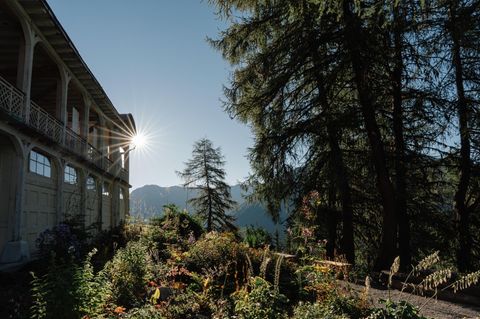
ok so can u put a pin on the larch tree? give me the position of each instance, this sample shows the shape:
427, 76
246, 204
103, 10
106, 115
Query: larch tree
204, 172
374, 104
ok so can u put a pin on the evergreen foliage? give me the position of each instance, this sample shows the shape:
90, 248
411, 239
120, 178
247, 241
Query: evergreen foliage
205, 172
374, 105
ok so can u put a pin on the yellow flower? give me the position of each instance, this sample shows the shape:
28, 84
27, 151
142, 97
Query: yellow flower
206, 283
155, 296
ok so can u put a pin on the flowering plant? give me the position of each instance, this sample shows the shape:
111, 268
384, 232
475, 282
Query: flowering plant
60, 241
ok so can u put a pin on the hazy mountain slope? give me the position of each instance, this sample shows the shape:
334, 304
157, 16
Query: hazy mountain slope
148, 201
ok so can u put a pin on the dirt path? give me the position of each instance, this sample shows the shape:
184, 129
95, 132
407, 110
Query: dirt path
431, 308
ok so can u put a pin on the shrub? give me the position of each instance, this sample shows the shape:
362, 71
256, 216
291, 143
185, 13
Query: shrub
220, 258
259, 301
311, 311
187, 304
128, 272
177, 225
396, 310
53, 294
214, 250
145, 312
345, 307
61, 240
256, 237
335, 308
108, 241
68, 290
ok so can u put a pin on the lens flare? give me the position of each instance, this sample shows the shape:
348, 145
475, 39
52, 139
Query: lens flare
139, 140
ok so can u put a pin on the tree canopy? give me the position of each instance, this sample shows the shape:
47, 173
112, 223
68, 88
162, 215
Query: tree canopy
374, 104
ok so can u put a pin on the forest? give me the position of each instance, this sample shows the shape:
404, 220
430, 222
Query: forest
374, 105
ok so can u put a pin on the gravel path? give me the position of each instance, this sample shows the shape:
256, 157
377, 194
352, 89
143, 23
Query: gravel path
431, 308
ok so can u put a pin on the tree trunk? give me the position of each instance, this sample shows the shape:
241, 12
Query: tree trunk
354, 42
465, 240
209, 193
400, 170
332, 223
348, 246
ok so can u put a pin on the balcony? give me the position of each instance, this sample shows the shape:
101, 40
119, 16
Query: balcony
12, 102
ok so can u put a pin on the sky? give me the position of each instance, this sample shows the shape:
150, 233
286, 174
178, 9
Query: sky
152, 59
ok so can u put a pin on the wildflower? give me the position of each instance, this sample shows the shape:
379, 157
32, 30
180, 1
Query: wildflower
191, 238
119, 310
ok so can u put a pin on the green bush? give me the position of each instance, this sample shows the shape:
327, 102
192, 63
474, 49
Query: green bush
145, 312
68, 290
335, 308
187, 304
396, 310
220, 259
215, 250
178, 225
128, 273
260, 301
256, 237
313, 311
53, 293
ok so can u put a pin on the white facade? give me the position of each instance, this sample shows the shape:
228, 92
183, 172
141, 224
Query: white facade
59, 147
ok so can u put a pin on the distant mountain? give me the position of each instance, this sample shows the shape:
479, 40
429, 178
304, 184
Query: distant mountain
148, 201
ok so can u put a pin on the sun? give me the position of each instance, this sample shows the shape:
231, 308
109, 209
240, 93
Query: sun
138, 140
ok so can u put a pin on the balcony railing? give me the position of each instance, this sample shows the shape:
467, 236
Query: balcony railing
12, 101
44, 123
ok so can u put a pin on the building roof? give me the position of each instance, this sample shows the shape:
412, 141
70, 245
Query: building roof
45, 20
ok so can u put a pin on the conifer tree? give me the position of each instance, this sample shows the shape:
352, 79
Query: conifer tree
205, 173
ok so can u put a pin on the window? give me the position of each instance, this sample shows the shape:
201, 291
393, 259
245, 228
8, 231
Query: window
121, 194
105, 189
91, 183
70, 175
122, 156
40, 164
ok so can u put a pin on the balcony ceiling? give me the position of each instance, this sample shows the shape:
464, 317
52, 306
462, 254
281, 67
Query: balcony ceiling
44, 19
10, 38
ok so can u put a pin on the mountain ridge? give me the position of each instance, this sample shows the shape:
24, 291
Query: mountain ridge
148, 201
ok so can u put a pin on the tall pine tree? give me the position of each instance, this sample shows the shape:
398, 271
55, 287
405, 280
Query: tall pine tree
204, 172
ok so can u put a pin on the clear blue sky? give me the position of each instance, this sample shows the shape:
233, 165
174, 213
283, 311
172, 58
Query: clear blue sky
152, 59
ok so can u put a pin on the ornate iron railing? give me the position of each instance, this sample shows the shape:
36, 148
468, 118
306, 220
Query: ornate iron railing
12, 101
46, 124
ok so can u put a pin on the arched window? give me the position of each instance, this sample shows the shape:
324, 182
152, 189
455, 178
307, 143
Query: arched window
70, 176
106, 189
122, 156
91, 183
40, 164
